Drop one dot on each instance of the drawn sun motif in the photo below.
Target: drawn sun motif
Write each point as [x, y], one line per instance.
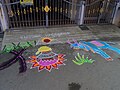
[46, 59]
[46, 40]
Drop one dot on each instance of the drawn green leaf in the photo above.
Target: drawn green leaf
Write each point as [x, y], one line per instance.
[79, 60]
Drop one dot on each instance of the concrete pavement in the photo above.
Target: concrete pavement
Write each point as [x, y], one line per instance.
[62, 34]
[101, 75]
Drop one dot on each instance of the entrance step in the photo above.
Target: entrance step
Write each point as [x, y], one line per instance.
[62, 34]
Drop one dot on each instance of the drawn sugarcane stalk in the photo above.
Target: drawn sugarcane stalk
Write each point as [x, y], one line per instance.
[17, 51]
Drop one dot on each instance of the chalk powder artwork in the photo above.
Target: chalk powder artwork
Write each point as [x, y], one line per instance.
[79, 60]
[17, 51]
[95, 47]
[46, 59]
[45, 40]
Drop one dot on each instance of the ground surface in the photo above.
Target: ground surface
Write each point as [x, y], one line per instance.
[101, 75]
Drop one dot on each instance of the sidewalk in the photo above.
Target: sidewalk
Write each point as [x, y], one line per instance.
[62, 34]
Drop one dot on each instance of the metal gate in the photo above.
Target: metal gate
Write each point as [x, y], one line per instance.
[99, 11]
[44, 13]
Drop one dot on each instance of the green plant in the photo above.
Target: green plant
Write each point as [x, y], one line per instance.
[79, 60]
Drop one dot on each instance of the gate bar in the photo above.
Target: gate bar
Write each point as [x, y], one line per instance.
[46, 4]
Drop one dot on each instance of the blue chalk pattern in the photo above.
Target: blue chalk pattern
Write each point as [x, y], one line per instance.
[95, 47]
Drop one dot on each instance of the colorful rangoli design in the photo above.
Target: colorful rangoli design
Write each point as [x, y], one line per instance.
[95, 47]
[46, 59]
[79, 60]
[46, 40]
[17, 50]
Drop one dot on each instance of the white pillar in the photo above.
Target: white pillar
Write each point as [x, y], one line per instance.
[82, 13]
[116, 18]
[3, 18]
[80, 16]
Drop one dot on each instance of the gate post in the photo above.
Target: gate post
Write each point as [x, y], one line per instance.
[115, 16]
[3, 16]
[80, 14]
[73, 9]
[46, 5]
